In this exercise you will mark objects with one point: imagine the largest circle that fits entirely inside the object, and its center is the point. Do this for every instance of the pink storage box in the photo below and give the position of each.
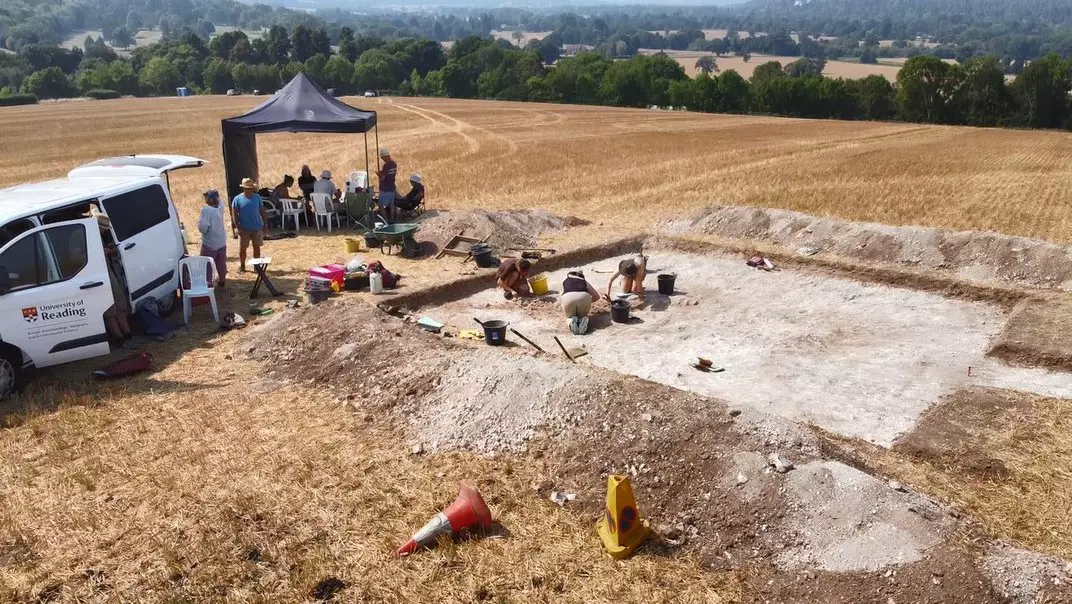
(332, 272)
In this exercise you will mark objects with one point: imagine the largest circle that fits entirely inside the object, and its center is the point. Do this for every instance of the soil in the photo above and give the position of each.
(945, 574)
(949, 433)
(1036, 334)
(1026, 577)
(983, 257)
(858, 359)
(505, 229)
(686, 455)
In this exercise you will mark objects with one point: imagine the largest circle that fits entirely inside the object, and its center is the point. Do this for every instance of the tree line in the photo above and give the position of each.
(927, 88)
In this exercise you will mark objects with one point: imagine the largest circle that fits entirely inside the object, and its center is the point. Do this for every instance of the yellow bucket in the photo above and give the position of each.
(538, 284)
(352, 245)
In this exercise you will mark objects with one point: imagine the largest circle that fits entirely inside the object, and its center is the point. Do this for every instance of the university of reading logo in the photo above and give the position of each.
(62, 310)
(29, 314)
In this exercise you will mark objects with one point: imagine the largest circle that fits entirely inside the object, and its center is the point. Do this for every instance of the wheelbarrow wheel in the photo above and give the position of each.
(387, 245)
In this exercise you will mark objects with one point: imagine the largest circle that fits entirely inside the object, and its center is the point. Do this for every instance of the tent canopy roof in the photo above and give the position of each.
(301, 106)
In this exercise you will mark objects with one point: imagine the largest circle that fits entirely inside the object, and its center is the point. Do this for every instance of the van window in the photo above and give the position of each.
(24, 263)
(137, 211)
(13, 229)
(50, 256)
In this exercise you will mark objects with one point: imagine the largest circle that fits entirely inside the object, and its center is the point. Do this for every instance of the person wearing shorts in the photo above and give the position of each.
(247, 211)
(577, 298)
(213, 234)
(632, 272)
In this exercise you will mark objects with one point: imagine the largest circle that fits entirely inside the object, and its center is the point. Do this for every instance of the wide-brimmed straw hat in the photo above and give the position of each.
(415, 178)
(247, 183)
(384, 151)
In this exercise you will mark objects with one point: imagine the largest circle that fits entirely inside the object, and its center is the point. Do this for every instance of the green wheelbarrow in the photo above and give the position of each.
(399, 235)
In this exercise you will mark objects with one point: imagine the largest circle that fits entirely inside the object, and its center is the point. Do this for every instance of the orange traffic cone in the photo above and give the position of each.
(621, 528)
(467, 511)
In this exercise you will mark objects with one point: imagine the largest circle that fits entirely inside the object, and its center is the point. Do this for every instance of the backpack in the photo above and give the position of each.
(390, 280)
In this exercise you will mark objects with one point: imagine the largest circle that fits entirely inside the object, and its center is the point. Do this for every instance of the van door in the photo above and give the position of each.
(146, 230)
(57, 291)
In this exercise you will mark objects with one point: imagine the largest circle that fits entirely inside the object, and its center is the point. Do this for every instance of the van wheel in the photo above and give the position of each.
(10, 372)
(167, 304)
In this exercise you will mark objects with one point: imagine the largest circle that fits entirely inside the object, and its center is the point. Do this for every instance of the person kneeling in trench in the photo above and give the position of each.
(632, 272)
(513, 278)
(577, 298)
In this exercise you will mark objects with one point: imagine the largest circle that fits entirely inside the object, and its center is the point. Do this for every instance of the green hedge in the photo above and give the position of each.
(18, 99)
(101, 94)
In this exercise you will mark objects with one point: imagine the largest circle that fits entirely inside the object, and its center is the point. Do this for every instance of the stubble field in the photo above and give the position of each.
(205, 481)
(624, 167)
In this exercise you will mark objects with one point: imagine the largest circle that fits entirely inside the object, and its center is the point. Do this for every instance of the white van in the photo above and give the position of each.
(54, 280)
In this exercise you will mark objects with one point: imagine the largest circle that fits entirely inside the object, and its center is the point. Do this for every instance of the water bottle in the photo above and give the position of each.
(375, 283)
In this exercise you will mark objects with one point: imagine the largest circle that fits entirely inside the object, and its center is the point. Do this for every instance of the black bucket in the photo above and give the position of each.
(483, 259)
(372, 241)
(494, 332)
(666, 284)
(619, 311)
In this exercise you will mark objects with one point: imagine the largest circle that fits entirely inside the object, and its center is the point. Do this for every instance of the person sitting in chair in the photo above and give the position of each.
(327, 187)
(306, 182)
(411, 200)
(282, 190)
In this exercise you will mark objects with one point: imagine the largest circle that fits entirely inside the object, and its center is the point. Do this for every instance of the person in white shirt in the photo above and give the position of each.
(327, 187)
(213, 233)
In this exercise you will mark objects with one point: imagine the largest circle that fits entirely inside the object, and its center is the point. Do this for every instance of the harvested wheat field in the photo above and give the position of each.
(287, 461)
(834, 69)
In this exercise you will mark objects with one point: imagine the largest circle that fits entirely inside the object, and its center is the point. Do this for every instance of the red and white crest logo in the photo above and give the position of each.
(29, 314)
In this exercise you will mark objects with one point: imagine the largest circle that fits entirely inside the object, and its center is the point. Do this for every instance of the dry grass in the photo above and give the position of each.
(1037, 334)
(834, 69)
(218, 487)
(526, 36)
(593, 162)
(1005, 464)
(200, 483)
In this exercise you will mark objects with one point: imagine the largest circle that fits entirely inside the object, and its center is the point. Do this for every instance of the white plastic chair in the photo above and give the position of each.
(322, 209)
(358, 180)
(196, 274)
(294, 209)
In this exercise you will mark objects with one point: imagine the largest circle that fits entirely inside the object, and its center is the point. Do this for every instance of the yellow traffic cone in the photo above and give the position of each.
(621, 529)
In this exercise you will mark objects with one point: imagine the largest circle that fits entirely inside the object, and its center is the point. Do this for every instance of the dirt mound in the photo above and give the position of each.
(507, 228)
(451, 395)
(984, 257)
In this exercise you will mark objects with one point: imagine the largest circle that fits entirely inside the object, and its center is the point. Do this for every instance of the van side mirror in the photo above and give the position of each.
(5, 281)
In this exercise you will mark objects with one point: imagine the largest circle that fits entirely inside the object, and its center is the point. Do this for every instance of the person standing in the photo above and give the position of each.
(386, 174)
(247, 211)
(214, 234)
(577, 298)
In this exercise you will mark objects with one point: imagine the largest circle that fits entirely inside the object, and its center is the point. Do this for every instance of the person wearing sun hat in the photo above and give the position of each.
(327, 187)
(247, 211)
(386, 174)
(411, 200)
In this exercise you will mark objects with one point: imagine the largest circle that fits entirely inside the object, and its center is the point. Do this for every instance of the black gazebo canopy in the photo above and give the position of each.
(300, 106)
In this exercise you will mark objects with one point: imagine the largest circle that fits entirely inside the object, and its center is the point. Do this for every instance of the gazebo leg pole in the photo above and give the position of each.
(368, 187)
